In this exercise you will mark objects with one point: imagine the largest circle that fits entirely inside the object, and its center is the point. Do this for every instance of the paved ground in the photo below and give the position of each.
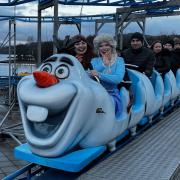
(154, 155)
(8, 163)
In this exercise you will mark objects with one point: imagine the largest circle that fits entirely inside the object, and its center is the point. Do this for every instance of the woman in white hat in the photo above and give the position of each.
(108, 67)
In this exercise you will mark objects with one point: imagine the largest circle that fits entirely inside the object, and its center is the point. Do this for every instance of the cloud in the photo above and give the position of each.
(8, 11)
(163, 25)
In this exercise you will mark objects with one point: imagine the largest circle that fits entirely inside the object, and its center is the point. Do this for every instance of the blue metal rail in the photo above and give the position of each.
(108, 2)
(4, 81)
(74, 19)
(162, 11)
(15, 2)
(88, 2)
(84, 18)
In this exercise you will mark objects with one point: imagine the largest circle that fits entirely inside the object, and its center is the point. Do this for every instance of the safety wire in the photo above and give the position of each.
(81, 9)
(14, 35)
(80, 15)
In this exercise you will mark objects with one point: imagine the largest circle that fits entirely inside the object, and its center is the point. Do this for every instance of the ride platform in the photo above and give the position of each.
(153, 154)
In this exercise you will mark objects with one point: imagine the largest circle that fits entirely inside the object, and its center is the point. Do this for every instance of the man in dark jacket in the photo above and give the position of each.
(175, 63)
(168, 44)
(138, 55)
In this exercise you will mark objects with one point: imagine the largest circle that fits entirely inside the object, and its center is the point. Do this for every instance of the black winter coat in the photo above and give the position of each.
(163, 61)
(175, 63)
(144, 58)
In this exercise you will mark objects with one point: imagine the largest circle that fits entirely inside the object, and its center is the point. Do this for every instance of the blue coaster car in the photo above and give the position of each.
(174, 87)
(167, 90)
(158, 86)
(154, 90)
(74, 111)
(138, 106)
(178, 81)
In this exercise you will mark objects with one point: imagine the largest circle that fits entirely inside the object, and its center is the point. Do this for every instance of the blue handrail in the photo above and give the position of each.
(84, 18)
(88, 2)
(4, 81)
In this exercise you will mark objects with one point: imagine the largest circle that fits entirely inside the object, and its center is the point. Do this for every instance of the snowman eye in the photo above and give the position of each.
(62, 72)
(47, 67)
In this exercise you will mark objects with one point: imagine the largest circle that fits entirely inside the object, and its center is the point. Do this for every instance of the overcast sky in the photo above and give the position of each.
(154, 26)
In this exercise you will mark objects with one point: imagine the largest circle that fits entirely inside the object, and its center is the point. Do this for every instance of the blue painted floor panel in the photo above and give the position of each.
(72, 162)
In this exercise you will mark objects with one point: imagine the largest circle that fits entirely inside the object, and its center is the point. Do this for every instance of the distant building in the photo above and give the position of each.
(21, 67)
(4, 57)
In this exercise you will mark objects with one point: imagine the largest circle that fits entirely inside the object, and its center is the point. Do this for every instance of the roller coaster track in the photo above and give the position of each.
(16, 2)
(65, 19)
(131, 3)
(149, 8)
(88, 18)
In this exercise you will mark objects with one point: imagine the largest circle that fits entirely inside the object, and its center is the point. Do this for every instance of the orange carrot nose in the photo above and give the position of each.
(44, 79)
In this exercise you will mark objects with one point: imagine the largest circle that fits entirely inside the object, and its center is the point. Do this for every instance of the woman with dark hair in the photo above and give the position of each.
(80, 48)
(163, 58)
